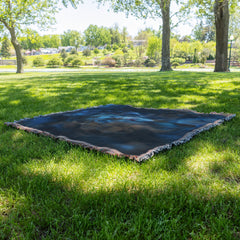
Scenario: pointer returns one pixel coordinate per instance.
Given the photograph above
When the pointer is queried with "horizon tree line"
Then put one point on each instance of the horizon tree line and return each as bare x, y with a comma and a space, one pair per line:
17, 15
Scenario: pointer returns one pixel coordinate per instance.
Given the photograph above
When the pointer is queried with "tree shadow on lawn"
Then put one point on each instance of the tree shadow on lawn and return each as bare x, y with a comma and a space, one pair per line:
45, 203
6, 73
226, 101
161, 198
70, 91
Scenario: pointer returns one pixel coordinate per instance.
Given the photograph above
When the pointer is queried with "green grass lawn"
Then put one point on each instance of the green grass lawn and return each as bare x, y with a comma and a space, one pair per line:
52, 190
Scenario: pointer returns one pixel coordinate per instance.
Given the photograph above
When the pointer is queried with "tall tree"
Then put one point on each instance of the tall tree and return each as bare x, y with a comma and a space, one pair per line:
144, 34
124, 35
166, 33
221, 13
221, 10
16, 15
97, 36
32, 40
154, 48
5, 49
72, 38
115, 35
144, 9
51, 41
205, 32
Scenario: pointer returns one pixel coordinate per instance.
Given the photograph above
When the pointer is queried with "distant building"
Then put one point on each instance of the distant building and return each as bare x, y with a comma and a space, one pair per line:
82, 48
33, 52
102, 47
137, 43
67, 48
48, 50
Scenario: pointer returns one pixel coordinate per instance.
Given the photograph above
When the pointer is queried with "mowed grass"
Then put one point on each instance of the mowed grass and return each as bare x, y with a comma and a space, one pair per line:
52, 190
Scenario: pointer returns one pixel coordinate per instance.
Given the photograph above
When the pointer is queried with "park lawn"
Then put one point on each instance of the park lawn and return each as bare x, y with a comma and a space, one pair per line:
52, 190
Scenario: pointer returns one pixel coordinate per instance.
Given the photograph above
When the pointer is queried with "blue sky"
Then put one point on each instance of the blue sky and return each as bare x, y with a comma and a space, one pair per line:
89, 13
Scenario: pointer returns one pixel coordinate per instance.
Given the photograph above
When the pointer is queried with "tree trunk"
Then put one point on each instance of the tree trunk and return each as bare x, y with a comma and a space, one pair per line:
221, 12
17, 48
165, 8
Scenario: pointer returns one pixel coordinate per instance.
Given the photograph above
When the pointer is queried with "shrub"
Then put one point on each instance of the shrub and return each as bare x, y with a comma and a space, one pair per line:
154, 48
203, 59
131, 46
138, 62
178, 60
74, 51
130, 63
180, 54
126, 59
150, 62
76, 62
195, 56
96, 50
175, 64
118, 52
122, 45
119, 60
97, 62
68, 60
73, 61
109, 61
109, 48
54, 62
63, 54
236, 55
211, 57
125, 50
105, 52
38, 62
86, 52
195, 59
115, 46
24, 60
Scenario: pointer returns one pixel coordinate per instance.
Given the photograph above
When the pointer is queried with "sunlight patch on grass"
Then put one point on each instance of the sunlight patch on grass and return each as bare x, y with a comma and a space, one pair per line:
10, 205
15, 102
85, 178
199, 163
193, 98
17, 136
69, 174
5, 207
110, 98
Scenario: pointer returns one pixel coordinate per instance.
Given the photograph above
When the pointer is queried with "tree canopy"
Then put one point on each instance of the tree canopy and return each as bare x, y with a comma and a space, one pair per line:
22, 13
234, 25
71, 38
17, 15
97, 36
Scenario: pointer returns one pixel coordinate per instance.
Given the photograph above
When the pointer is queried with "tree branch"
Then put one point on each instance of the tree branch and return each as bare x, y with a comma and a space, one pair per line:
5, 23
